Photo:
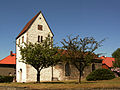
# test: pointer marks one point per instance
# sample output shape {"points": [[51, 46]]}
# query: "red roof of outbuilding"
{"points": [[11, 59], [108, 61]]}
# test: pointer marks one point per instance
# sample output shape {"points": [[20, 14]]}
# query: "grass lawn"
{"points": [[114, 83]]}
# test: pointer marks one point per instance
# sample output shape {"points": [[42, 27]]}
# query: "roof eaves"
{"points": [[28, 26], [47, 24]]}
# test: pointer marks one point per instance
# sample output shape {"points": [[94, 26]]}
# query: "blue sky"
{"points": [[97, 18]]}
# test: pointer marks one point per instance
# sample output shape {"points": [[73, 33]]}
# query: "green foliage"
{"points": [[116, 55], [116, 63], [40, 55], [100, 74], [6, 79], [80, 52]]}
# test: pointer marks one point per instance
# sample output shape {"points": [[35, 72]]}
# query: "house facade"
{"points": [[35, 31], [8, 65]]}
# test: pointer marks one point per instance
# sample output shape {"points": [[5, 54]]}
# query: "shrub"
{"points": [[6, 79], [100, 74]]}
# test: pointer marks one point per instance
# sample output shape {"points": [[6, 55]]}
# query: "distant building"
{"points": [[8, 65], [36, 30], [107, 62]]}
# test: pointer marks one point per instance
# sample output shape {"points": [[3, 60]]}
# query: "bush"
{"points": [[6, 79], [100, 74]]}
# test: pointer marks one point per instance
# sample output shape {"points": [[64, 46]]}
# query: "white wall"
{"points": [[20, 65], [28, 72], [33, 33]]}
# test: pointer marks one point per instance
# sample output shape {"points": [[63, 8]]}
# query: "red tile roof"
{"points": [[11, 59], [108, 61], [27, 26]]}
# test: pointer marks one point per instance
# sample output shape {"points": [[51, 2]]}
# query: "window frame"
{"points": [[40, 27]]}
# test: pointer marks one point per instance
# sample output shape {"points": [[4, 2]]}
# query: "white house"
{"points": [[34, 31]]}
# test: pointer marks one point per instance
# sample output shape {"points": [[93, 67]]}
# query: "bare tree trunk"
{"points": [[52, 73], [38, 76], [80, 72], [80, 77]]}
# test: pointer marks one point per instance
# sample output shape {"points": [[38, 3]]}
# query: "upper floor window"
{"points": [[67, 69], [38, 38], [51, 41], [93, 67], [19, 42], [23, 39], [41, 38], [40, 27]]}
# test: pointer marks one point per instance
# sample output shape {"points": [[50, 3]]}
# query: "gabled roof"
{"points": [[95, 60], [28, 25], [108, 61], [11, 59]]}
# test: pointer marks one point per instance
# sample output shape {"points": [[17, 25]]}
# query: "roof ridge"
{"points": [[8, 60], [27, 26]]}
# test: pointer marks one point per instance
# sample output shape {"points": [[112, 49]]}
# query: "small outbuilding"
{"points": [[8, 65], [107, 62]]}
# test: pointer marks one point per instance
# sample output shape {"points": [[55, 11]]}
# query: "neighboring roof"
{"points": [[108, 61], [95, 60], [28, 25], [11, 59]]}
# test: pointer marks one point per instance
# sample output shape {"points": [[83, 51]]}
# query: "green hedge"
{"points": [[100, 74], [6, 79]]}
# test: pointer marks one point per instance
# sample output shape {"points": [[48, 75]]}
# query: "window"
{"points": [[19, 42], [41, 38], [67, 69], [93, 67], [23, 39], [38, 38], [40, 27], [51, 41]]}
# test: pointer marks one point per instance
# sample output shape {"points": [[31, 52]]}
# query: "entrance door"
{"points": [[20, 73]]}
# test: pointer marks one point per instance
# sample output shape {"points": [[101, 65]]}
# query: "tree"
{"points": [[100, 74], [40, 55], [116, 55], [80, 52]]}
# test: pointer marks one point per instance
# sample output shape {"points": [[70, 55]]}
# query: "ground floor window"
{"points": [[67, 69], [93, 67]]}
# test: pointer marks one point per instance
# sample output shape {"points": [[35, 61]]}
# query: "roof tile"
{"points": [[28, 25], [9, 59]]}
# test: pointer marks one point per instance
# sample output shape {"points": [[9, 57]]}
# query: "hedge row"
{"points": [[6, 79], [100, 74]]}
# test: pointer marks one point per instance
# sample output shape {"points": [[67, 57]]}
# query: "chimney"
{"points": [[11, 53]]}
